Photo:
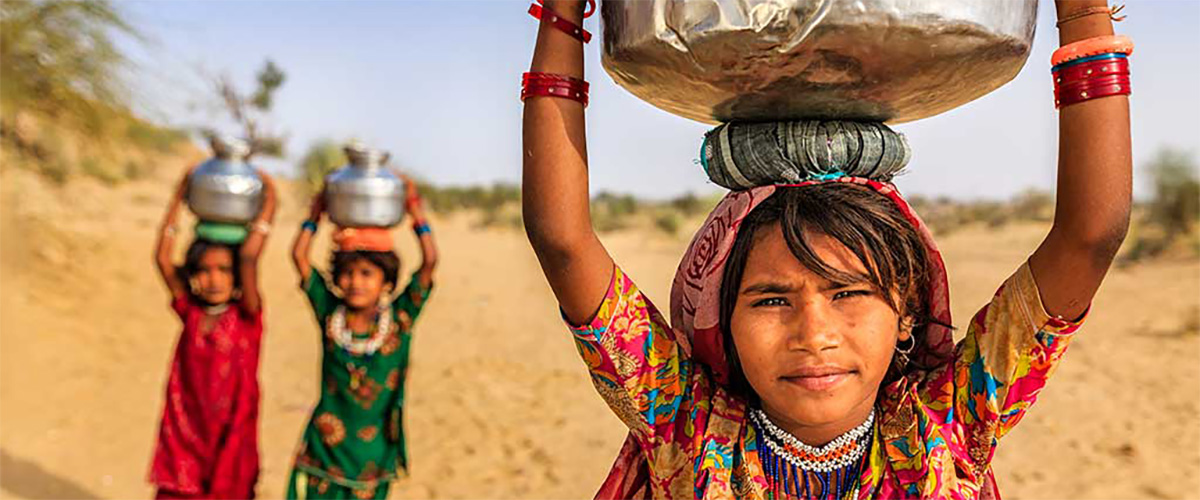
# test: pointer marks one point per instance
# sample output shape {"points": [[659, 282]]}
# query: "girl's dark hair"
{"points": [[196, 251], [867, 223], [388, 262]]}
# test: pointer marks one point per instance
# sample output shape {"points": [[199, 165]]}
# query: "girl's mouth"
{"points": [[818, 378], [817, 384]]}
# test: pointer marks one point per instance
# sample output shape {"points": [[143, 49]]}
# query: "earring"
{"points": [[195, 286], [902, 353]]}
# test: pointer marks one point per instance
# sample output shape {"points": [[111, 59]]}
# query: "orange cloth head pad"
{"points": [[370, 239]]}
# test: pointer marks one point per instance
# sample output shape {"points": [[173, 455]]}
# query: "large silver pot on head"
{"points": [[768, 60], [364, 193], [225, 188]]}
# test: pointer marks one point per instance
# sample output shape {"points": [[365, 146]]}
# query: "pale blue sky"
{"points": [[436, 83]]}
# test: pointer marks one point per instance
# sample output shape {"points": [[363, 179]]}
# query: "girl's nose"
{"points": [[813, 328]]}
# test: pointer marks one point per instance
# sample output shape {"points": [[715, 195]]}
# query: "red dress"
{"points": [[208, 437]]}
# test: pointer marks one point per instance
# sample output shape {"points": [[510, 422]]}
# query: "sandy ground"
{"points": [[499, 404]]}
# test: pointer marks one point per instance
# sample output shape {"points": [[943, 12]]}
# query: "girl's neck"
{"points": [[360, 320], [820, 434], [215, 309]]}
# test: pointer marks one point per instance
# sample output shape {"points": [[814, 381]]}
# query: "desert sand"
{"points": [[499, 404]]}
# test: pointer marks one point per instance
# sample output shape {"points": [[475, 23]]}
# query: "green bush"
{"points": [[61, 58], [667, 222], [1168, 220], [323, 156], [100, 170], [1176, 203]]}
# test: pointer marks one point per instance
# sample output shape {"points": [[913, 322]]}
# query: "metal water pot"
{"points": [[769, 60], [364, 193], [225, 188]]}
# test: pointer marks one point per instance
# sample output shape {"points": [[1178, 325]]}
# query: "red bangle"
{"points": [[535, 77], [577, 32], [536, 84], [1098, 81], [1092, 89], [1091, 69]]}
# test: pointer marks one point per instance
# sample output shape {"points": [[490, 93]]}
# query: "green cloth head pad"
{"points": [[221, 232]]}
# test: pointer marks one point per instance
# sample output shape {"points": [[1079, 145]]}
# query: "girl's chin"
{"points": [[363, 305], [213, 301], [813, 411]]}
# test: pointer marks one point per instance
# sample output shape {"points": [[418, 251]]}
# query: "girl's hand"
{"points": [[412, 198], [318, 205], [182, 188], [270, 197]]}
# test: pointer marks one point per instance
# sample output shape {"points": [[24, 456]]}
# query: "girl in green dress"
{"points": [[353, 446]]}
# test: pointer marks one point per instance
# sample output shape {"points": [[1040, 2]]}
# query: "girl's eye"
{"points": [[771, 302], [845, 294]]}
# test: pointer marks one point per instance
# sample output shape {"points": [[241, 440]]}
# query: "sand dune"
{"points": [[499, 404]]}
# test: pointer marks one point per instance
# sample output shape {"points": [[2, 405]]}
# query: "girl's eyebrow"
{"points": [[769, 287], [838, 285]]}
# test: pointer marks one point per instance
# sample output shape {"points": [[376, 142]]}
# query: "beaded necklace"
{"points": [[344, 338], [796, 469]]}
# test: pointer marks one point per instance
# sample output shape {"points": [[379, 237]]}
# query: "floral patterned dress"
{"points": [[353, 446], [936, 433]]}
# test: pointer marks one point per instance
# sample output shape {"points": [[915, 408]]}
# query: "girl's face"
{"points": [[362, 284], [213, 280], [814, 351]]}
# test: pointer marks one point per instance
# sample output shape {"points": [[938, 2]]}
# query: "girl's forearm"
{"points": [[555, 182], [554, 188], [1095, 153], [1095, 180]]}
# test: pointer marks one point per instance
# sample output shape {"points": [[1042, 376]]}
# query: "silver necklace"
{"points": [[344, 338]]}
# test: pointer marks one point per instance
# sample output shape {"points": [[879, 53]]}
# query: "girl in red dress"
{"points": [[208, 437]]}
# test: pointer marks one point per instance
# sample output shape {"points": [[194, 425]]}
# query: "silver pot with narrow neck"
{"points": [[771, 60], [225, 188], [364, 193]]}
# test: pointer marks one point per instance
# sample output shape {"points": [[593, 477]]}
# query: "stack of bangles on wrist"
{"points": [[577, 32], [421, 227], [534, 84], [1091, 68]]}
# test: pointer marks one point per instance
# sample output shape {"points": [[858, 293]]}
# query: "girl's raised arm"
{"points": [[429, 253], [303, 240], [554, 189], [253, 246], [1091, 215], [166, 240]]}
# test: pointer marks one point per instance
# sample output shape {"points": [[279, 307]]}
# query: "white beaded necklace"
{"points": [[344, 338], [794, 469], [852, 439]]}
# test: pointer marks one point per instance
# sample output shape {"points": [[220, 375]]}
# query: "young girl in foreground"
{"points": [[809, 353], [208, 437], [354, 445]]}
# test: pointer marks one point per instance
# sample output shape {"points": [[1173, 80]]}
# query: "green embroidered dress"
{"points": [[354, 443]]}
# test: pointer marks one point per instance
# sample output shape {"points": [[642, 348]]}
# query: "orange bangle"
{"points": [[1112, 44]]}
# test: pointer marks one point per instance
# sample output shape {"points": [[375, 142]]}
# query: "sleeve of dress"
{"points": [[634, 361], [1011, 348], [319, 296], [408, 305], [181, 305]]}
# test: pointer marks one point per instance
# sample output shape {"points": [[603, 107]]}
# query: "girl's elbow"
{"points": [[1101, 241]]}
